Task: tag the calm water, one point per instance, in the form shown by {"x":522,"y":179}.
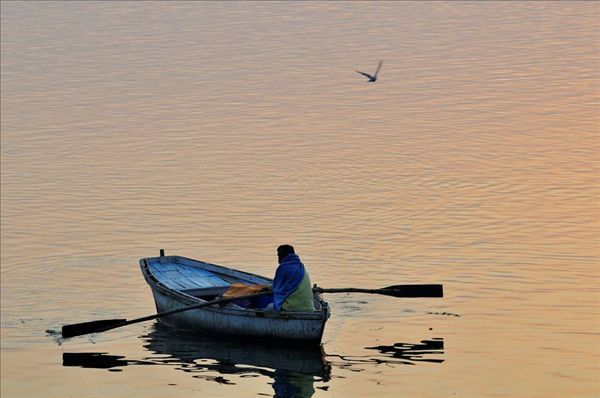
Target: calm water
{"x":218,"y":131}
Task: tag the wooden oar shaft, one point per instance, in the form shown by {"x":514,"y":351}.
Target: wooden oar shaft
{"x":78,"y":329}
{"x":196,"y":306}
{"x":349,"y":290}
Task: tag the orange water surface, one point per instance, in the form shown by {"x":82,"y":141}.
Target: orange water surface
{"x":218,"y":131}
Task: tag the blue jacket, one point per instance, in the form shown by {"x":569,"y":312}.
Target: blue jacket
{"x":288,"y":276}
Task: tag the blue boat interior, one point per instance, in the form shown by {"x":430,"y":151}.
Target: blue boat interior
{"x":192,"y":277}
{"x":199,"y":279}
{"x":180,"y":277}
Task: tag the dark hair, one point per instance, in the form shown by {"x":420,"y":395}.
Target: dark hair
{"x":284,"y":250}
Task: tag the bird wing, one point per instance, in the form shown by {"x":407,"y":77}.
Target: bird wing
{"x":365,"y":74}
{"x":378,"y":67}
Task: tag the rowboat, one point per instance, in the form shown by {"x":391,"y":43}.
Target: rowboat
{"x":178,"y":282}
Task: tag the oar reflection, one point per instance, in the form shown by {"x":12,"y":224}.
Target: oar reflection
{"x":395,"y":354}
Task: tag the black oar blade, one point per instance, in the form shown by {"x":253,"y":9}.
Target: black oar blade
{"x":77,"y":329}
{"x":414,"y":290}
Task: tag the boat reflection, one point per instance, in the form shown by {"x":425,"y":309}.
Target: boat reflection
{"x":293,"y":371}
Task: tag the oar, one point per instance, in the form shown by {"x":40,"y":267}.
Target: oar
{"x":394,"y":291}
{"x":78,"y":329}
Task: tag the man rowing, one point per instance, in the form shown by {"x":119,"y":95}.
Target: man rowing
{"x":292,"y":290}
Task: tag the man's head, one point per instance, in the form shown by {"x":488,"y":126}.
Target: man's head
{"x":283,"y":251}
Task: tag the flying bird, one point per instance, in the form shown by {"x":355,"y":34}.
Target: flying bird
{"x":372,"y":79}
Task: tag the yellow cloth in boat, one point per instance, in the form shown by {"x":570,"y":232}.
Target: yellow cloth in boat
{"x":240,"y":289}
